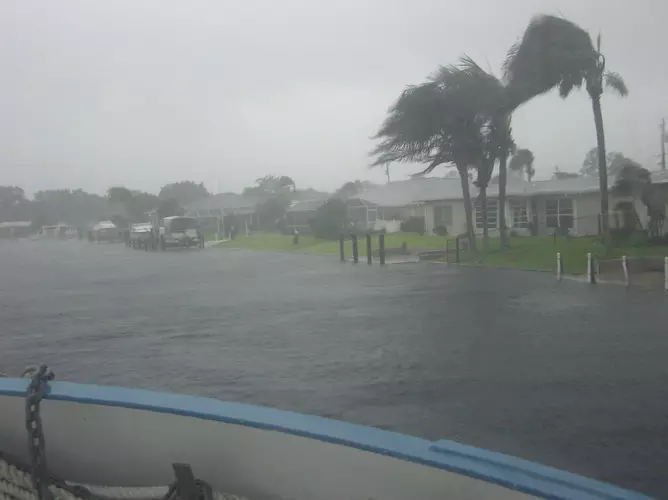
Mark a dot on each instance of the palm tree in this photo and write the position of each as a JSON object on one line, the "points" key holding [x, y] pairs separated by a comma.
{"points": [[428, 125], [522, 161], [492, 101], [458, 116], [555, 52]]}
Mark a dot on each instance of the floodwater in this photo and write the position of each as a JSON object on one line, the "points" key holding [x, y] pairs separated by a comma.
{"points": [[567, 374]]}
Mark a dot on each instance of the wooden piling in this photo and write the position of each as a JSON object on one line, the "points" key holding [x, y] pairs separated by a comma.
{"points": [[381, 249], [591, 271], [368, 248], [355, 249]]}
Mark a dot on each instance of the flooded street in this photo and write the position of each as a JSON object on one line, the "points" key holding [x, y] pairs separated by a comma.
{"points": [[567, 374]]}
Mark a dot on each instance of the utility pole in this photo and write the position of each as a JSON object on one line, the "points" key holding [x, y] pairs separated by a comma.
{"points": [[663, 143], [387, 171]]}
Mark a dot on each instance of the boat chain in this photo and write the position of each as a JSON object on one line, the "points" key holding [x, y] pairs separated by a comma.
{"points": [[36, 446], [186, 486]]}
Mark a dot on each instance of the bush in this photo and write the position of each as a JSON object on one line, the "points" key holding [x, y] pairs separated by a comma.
{"points": [[441, 230], [621, 236], [330, 220], [413, 225], [638, 239]]}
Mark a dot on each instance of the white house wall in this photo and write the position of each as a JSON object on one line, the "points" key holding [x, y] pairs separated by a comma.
{"points": [[458, 223], [586, 210]]}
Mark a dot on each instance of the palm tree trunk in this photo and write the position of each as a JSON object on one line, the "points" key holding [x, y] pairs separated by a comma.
{"points": [[530, 171], [483, 209], [468, 210], [602, 167], [503, 160]]}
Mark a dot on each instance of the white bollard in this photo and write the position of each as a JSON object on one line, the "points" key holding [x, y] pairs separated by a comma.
{"points": [[560, 267], [665, 272], [625, 268]]}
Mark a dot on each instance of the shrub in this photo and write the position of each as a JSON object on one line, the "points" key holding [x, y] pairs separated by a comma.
{"points": [[638, 239], [413, 225], [330, 220], [441, 230]]}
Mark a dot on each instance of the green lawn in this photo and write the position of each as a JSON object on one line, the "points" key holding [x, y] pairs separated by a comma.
{"points": [[310, 244], [524, 252], [541, 253]]}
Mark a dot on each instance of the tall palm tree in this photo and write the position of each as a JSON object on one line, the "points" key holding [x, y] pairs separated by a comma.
{"points": [[556, 53], [522, 161], [427, 124], [492, 101], [457, 117]]}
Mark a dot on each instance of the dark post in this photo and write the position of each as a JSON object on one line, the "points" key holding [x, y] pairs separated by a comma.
{"points": [[341, 252], [599, 219], [457, 249], [368, 248], [381, 248], [355, 249]]}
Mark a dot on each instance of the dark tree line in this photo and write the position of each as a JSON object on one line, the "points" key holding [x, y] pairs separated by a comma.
{"points": [[80, 208]]}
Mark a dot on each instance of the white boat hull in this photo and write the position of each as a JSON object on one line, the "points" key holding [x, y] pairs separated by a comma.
{"points": [[122, 437]]}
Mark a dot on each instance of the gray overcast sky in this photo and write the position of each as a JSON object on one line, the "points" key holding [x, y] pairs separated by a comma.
{"points": [[145, 92]]}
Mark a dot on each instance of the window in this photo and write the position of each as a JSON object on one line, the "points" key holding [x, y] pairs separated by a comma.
{"points": [[182, 224], [357, 215], [492, 214], [443, 216], [559, 212], [518, 208]]}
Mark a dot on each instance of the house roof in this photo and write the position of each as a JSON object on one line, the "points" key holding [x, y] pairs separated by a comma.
{"points": [[413, 191], [569, 186], [104, 224], [15, 224], [424, 189], [306, 205]]}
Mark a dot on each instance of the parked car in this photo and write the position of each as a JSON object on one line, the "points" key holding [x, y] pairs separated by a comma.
{"points": [[106, 231], [180, 232], [142, 235]]}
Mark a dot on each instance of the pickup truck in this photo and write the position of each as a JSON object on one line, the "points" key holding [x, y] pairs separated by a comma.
{"points": [[180, 232], [143, 236]]}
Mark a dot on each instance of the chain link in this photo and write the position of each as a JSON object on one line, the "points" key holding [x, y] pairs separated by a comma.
{"points": [[36, 446]]}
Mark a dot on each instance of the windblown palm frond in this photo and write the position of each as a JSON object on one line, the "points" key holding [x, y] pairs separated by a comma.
{"points": [[553, 52], [457, 116], [616, 83]]}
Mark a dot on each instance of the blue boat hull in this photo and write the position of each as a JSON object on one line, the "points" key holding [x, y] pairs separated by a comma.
{"points": [[124, 437]]}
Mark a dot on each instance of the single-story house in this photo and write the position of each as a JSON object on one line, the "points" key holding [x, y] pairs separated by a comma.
{"points": [[15, 229], [537, 207], [298, 217], [218, 213]]}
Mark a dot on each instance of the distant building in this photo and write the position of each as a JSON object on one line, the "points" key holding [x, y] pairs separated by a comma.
{"points": [[16, 229], [218, 213], [300, 214]]}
